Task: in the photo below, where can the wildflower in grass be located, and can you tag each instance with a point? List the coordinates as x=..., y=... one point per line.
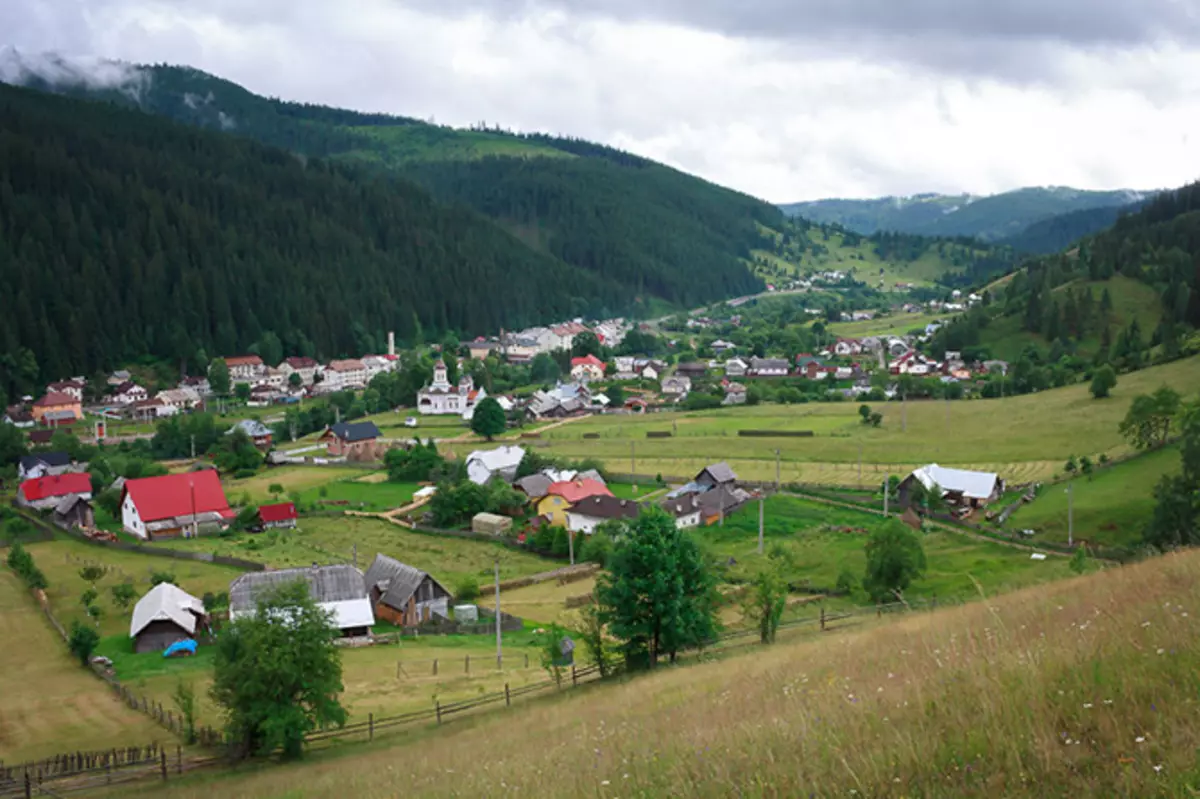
x=1139, y=739
x=1158, y=767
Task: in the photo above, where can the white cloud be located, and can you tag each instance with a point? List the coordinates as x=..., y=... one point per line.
x=776, y=116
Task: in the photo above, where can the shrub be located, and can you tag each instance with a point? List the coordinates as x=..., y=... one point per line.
x=242, y=474
x=467, y=590
x=82, y=642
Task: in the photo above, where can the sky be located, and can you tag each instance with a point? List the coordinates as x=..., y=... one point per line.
x=787, y=100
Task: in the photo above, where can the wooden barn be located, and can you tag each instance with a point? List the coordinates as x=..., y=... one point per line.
x=166, y=614
x=404, y=595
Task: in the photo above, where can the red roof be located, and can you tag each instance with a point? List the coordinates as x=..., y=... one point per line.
x=55, y=398
x=280, y=512
x=575, y=490
x=56, y=485
x=172, y=495
x=587, y=359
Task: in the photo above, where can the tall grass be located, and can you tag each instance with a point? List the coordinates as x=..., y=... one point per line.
x=1085, y=687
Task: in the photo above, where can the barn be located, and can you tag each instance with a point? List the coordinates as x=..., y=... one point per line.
x=338, y=589
x=166, y=614
x=404, y=595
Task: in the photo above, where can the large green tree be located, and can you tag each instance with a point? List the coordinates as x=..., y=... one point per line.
x=488, y=420
x=277, y=674
x=659, y=594
x=1176, y=519
x=895, y=557
x=1103, y=382
x=218, y=377
x=1148, y=421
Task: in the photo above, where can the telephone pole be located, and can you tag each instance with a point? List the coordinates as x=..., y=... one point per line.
x=1070, y=514
x=760, y=524
x=499, y=648
x=193, y=437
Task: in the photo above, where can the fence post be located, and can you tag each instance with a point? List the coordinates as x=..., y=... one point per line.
x=435, y=667
x=499, y=662
x=467, y=662
x=28, y=787
x=878, y=610
x=370, y=726
x=526, y=660
x=933, y=604
x=574, y=682
x=507, y=696
x=822, y=618
x=437, y=706
x=178, y=759
x=163, y=762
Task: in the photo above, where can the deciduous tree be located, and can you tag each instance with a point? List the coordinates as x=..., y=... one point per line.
x=488, y=420
x=895, y=558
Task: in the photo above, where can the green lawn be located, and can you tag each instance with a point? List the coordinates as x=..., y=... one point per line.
x=956, y=563
x=328, y=539
x=896, y=324
x=1111, y=507
x=292, y=478
x=367, y=496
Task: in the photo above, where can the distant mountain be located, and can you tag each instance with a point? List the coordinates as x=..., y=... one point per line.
x=655, y=232
x=990, y=218
x=1059, y=232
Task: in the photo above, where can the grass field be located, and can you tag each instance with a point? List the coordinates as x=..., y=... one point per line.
x=292, y=478
x=958, y=566
x=363, y=492
x=48, y=704
x=896, y=325
x=1111, y=507
x=61, y=561
x=1086, y=687
x=1024, y=438
x=328, y=539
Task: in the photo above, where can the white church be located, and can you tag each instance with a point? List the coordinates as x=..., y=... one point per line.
x=439, y=398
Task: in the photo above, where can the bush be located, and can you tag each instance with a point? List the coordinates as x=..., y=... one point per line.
x=242, y=474
x=560, y=546
x=21, y=562
x=467, y=590
x=82, y=642
x=846, y=582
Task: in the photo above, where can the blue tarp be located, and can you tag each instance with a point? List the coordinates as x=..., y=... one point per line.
x=179, y=647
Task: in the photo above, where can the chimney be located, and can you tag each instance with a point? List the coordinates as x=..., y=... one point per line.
x=391, y=342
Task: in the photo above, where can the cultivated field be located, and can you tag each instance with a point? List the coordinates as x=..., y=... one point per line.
x=331, y=539
x=1024, y=438
x=1111, y=508
x=48, y=704
x=1085, y=687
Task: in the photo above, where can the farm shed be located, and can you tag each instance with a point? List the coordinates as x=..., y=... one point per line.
x=404, y=595
x=166, y=614
x=338, y=589
x=491, y=523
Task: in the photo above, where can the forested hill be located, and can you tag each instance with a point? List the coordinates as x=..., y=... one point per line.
x=999, y=217
x=652, y=229
x=124, y=236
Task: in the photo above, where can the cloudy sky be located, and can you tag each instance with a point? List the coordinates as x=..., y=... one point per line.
x=785, y=99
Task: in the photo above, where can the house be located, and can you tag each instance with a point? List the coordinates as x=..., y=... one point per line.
x=651, y=370
x=720, y=346
x=41, y=464
x=735, y=394
x=441, y=398
x=245, y=368
x=563, y=400
x=348, y=374
x=589, y=513
x=843, y=372
x=18, y=416
x=280, y=514
x=560, y=496
x=379, y=364
x=861, y=316
x=502, y=463
x=897, y=347
x=735, y=367
x=302, y=365
x=810, y=367
x=183, y=398
x=534, y=486
x=995, y=367
x=354, y=440
x=198, y=384
x=847, y=347
x=692, y=369
x=768, y=367
x=256, y=431
x=47, y=492
x=676, y=386
x=174, y=504
x=166, y=614
x=958, y=486
x=128, y=393
x=118, y=377
x=589, y=367
x=718, y=474
x=340, y=590
x=720, y=502
x=490, y=523
x=404, y=595
x=74, y=511
x=685, y=510
x=149, y=409
x=566, y=334
x=480, y=350
x=58, y=406
x=72, y=388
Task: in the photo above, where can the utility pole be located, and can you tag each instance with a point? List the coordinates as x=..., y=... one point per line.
x=904, y=412
x=193, y=446
x=499, y=649
x=887, y=490
x=1070, y=514
x=760, y=524
x=354, y=550
x=860, y=465
x=571, y=545
x=632, y=462
x=776, y=469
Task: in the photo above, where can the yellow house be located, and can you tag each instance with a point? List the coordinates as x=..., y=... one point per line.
x=562, y=495
x=58, y=406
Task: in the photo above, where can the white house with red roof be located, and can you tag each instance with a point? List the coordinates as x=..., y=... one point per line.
x=174, y=505
x=588, y=367
x=73, y=388
x=306, y=367
x=281, y=514
x=48, y=491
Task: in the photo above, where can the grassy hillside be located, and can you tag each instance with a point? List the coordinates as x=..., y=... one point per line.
x=1085, y=687
x=990, y=218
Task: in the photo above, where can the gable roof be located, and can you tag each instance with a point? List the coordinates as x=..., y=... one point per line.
x=575, y=490
x=339, y=587
x=300, y=362
x=172, y=495
x=395, y=581
x=51, y=459
x=68, y=502
x=56, y=485
x=587, y=360
x=55, y=398
x=494, y=460
x=535, y=486
x=719, y=472
x=974, y=485
x=682, y=506
x=601, y=506
x=355, y=431
x=279, y=512
x=166, y=602
x=252, y=428
x=243, y=360
x=768, y=363
x=347, y=365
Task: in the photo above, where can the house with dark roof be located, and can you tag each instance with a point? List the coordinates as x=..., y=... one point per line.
x=338, y=589
x=354, y=440
x=40, y=464
x=281, y=514
x=534, y=486
x=768, y=367
x=718, y=474
x=49, y=491
x=174, y=505
x=684, y=510
x=404, y=595
x=256, y=431
x=693, y=370
x=165, y=615
x=587, y=514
